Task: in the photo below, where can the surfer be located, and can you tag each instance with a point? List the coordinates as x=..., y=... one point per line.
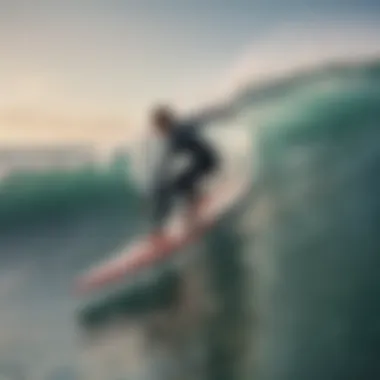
x=181, y=137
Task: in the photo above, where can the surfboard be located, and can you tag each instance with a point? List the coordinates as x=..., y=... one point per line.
x=145, y=252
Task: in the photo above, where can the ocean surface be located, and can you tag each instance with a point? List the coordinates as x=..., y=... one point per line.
x=295, y=271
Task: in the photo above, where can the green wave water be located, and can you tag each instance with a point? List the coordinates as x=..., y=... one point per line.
x=317, y=252
x=38, y=197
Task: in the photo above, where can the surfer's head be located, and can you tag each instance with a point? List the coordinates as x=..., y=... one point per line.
x=163, y=119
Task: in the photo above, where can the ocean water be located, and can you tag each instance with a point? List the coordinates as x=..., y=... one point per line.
x=293, y=276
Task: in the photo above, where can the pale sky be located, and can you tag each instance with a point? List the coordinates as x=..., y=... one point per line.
x=89, y=70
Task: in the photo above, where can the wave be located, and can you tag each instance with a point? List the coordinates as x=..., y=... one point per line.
x=310, y=228
x=315, y=244
x=27, y=198
x=303, y=125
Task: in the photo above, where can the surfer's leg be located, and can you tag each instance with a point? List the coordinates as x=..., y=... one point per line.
x=162, y=207
x=188, y=186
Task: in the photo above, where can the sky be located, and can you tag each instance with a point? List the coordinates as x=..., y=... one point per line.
x=89, y=70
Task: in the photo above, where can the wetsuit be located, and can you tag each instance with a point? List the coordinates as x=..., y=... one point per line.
x=184, y=139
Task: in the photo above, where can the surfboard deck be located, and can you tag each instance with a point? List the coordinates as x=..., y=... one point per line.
x=147, y=251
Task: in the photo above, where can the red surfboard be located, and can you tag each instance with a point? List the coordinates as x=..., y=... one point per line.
x=147, y=251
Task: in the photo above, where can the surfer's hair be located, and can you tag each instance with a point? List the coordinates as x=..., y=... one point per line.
x=162, y=113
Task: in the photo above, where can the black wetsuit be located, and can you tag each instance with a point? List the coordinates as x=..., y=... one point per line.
x=184, y=139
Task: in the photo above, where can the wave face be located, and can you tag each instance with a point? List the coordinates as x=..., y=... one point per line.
x=317, y=251
x=310, y=240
